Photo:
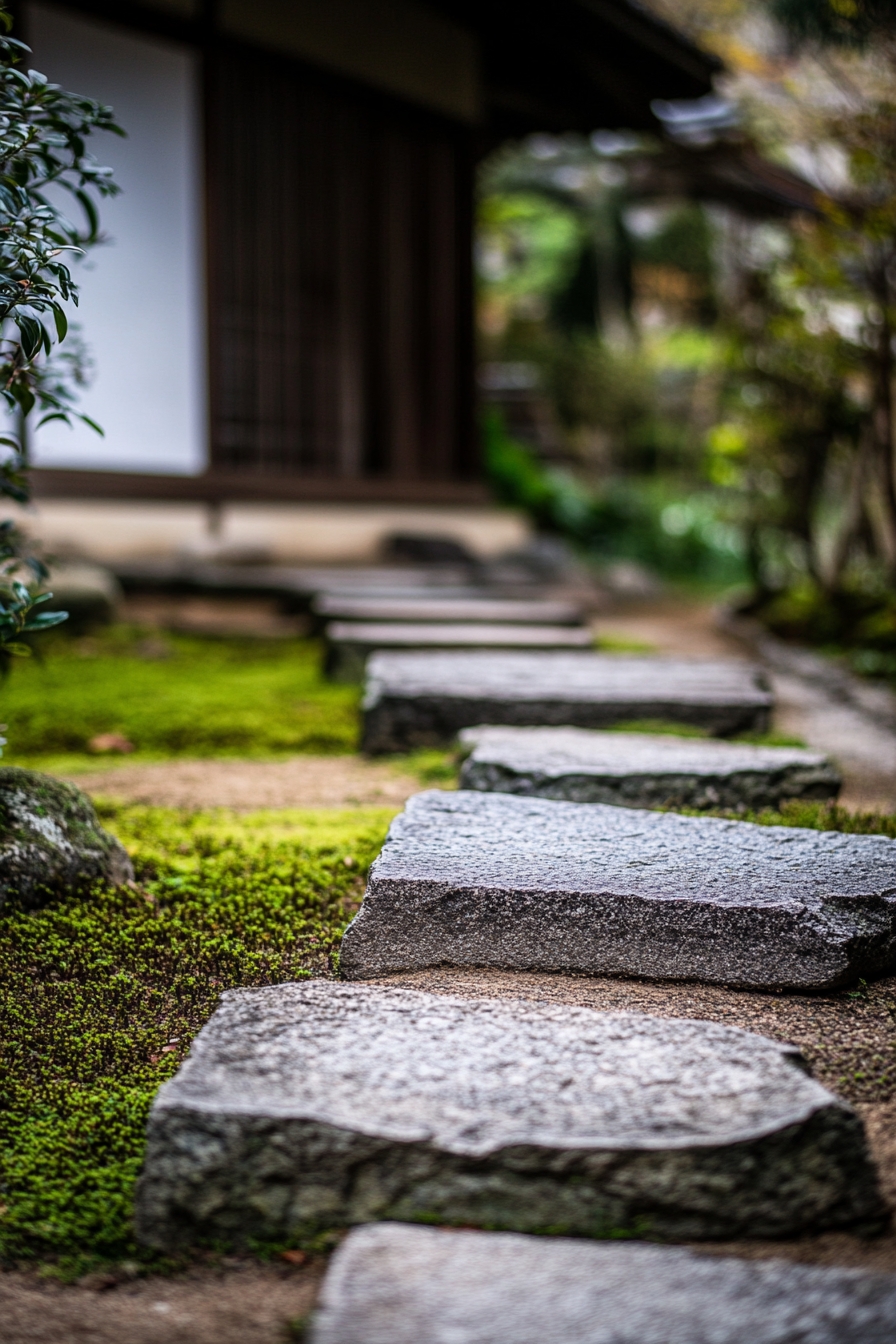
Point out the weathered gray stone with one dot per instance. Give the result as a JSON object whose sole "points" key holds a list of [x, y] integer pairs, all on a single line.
{"points": [[434, 607], [51, 843], [396, 1284], [639, 769], [489, 879], [349, 643], [421, 699], [323, 1104], [90, 594]]}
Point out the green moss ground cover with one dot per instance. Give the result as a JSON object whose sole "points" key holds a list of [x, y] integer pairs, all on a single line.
{"points": [[101, 997], [173, 695]]}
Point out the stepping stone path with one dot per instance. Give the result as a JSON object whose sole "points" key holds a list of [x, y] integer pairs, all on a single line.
{"points": [[395, 1284], [310, 1106], [422, 699], [640, 770], [436, 608], [349, 643], [489, 879], [323, 1104]]}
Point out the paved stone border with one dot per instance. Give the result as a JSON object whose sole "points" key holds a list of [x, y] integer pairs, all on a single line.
{"points": [[396, 1284], [490, 879], [320, 1104], [350, 643], [640, 770], [424, 699]]}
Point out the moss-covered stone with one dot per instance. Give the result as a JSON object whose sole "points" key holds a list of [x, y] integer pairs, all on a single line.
{"points": [[51, 843]]}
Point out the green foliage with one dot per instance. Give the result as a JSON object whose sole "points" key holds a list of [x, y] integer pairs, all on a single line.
{"points": [[527, 244], [843, 23], [823, 817], [43, 131], [683, 539], [205, 698], [858, 622], [102, 996], [43, 155]]}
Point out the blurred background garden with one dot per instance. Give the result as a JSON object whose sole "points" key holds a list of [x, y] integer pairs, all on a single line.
{"points": [[686, 372]]}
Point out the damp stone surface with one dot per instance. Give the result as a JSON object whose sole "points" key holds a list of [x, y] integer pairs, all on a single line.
{"points": [[494, 880], [51, 841], [423, 699], [397, 1284], [579, 765], [315, 1105]]}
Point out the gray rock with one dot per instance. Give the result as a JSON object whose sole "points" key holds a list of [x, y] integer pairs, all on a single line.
{"points": [[640, 770], [349, 643], [321, 1104], [489, 879], [421, 699], [51, 843], [90, 594], [434, 607], [395, 1284]]}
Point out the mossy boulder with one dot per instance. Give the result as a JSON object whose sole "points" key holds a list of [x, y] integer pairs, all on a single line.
{"points": [[51, 842]]}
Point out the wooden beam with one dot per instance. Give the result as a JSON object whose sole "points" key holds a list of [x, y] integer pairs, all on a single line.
{"points": [[250, 488]]}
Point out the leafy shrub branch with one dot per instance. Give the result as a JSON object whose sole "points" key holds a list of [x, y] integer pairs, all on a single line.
{"points": [[44, 163]]}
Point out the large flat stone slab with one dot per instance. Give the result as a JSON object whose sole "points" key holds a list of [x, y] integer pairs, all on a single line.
{"points": [[421, 699], [349, 643], [579, 765], [434, 607], [321, 1104], [396, 1284], [490, 879]]}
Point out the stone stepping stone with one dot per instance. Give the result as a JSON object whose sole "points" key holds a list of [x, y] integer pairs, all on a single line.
{"points": [[423, 699], [434, 607], [639, 769], [397, 1284], [490, 879], [349, 643], [319, 1104]]}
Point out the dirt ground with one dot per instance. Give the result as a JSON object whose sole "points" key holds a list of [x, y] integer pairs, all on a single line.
{"points": [[235, 1303], [301, 782]]}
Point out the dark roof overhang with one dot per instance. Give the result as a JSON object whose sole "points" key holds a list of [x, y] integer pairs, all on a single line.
{"points": [[578, 65]]}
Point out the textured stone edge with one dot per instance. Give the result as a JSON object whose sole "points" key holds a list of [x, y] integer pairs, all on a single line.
{"points": [[735, 788], [394, 723], [409, 925], [212, 1177]]}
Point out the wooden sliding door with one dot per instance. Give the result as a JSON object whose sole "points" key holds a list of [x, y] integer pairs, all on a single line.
{"points": [[339, 231]]}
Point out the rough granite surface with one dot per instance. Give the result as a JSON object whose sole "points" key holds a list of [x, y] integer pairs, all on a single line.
{"points": [[341, 607], [396, 1284], [349, 643], [491, 879], [423, 699], [639, 769], [51, 843], [320, 1104]]}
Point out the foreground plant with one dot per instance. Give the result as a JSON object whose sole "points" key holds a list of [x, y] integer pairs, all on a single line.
{"points": [[43, 130]]}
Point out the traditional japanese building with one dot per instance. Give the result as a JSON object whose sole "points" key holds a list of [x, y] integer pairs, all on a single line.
{"points": [[284, 308]]}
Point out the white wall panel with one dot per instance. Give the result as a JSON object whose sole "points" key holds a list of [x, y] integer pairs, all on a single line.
{"points": [[142, 310]]}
